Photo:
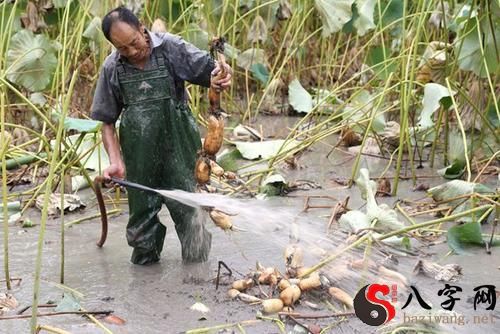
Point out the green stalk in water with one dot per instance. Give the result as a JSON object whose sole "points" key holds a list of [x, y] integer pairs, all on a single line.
{"points": [[61, 270], [3, 149], [48, 190]]}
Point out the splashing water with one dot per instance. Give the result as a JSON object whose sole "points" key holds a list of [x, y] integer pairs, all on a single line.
{"points": [[282, 225]]}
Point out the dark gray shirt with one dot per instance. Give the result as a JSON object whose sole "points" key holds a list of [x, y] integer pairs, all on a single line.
{"points": [[184, 61]]}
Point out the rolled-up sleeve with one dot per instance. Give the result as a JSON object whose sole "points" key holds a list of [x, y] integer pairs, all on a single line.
{"points": [[107, 105], [187, 61]]}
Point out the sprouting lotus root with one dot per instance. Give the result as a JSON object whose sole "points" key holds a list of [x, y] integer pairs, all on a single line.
{"points": [[221, 219], [215, 135], [202, 170], [268, 276], [293, 256], [248, 298], [216, 169]]}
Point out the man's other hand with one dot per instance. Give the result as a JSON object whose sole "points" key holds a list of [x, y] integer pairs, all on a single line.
{"points": [[223, 82], [114, 170]]}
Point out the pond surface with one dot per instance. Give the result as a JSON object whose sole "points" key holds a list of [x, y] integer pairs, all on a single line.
{"points": [[157, 298]]}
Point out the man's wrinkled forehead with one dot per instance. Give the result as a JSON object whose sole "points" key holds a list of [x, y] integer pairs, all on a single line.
{"points": [[123, 34]]}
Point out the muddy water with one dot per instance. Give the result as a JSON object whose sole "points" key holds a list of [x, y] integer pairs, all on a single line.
{"points": [[156, 299]]}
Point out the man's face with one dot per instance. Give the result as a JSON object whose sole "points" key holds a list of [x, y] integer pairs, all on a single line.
{"points": [[130, 42]]}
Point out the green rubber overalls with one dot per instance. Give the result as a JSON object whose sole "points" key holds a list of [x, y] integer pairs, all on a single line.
{"points": [[159, 139]]}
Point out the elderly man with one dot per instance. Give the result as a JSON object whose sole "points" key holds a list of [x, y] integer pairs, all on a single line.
{"points": [[143, 82]]}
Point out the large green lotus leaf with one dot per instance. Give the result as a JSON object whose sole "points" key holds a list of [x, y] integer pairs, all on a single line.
{"points": [[391, 10], [93, 29], [363, 182], [359, 108], [68, 303], [81, 125], [196, 36], [433, 95], [456, 154], [31, 60], [453, 171], [354, 221], [260, 72], [365, 22], [273, 185], [380, 62], [334, 14], [228, 160], [258, 30], [250, 57], [97, 159], [299, 98], [199, 38], [274, 178], [461, 236], [263, 149], [38, 99], [386, 218], [15, 25], [60, 3], [470, 57], [457, 188]]}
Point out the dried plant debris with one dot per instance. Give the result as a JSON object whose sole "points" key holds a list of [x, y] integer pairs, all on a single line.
{"points": [[447, 273], [199, 307], [7, 302], [71, 203]]}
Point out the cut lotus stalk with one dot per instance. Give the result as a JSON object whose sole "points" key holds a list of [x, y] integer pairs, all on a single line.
{"points": [[341, 296], [268, 276], [272, 305], [242, 284], [290, 295], [349, 137], [248, 298], [230, 175]]}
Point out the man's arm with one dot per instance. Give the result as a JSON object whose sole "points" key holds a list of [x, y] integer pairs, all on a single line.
{"points": [[106, 107], [112, 146]]}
